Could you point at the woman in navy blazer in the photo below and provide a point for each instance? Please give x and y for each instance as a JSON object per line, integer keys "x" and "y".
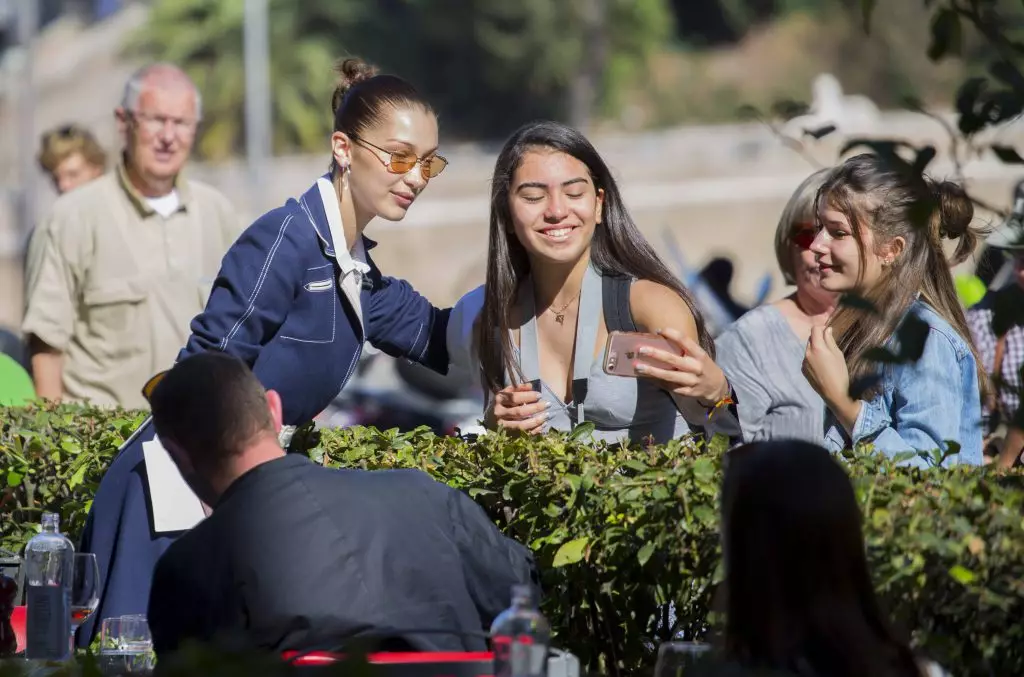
{"x": 296, "y": 297}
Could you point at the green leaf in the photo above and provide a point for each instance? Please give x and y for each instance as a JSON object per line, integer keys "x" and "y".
{"x": 645, "y": 553}
{"x": 585, "y": 429}
{"x": 947, "y": 35}
{"x": 962, "y": 575}
{"x": 821, "y": 132}
{"x": 882, "y": 356}
{"x": 967, "y": 99}
{"x": 14, "y": 478}
{"x": 703, "y": 469}
{"x": 788, "y": 109}
{"x": 574, "y": 481}
{"x": 78, "y": 476}
{"x": 718, "y": 444}
{"x": 570, "y": 552}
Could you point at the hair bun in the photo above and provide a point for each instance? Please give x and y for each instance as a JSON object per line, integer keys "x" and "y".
{"x": 351, "y": 72}
{"x": 956, "y": 211}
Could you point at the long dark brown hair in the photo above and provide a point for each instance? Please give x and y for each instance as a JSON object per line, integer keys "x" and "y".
{"x": 618, "y": 248}
{"x": 799, "y": 595}
{"x": 892, "y": 200}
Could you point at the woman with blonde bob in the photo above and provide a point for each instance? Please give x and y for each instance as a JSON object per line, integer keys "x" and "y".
{"x": 881, "y": 239}
{"x": 762, "y": 352}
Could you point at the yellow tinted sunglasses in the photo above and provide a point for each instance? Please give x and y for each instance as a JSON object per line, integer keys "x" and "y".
{"x": 151, "y": 384}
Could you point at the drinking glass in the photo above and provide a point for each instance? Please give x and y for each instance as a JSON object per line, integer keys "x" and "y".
{"x": 125, "y": 645}
{"x": 85, "y": 590}
{"x": 674, "y": 658}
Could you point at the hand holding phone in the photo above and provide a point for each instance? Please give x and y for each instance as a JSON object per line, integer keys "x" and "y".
{"x": 622, "y": 352}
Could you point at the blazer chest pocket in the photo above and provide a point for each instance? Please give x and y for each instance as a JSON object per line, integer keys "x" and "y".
{"x": 115, "y": 315}
{"x": 314, "y": 316}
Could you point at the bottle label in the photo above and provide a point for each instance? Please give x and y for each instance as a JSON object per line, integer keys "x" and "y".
{"x": 519, "y": 656}
{"x": 47, "y": 622}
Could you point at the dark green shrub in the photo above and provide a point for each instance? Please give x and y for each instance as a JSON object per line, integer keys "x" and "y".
{"x": 620, "y": 533}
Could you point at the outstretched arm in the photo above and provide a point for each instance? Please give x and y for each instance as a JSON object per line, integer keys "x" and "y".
{"x": 402, "y": 323}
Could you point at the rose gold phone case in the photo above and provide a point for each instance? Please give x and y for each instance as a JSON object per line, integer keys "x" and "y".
{"x": 622, "y": 351}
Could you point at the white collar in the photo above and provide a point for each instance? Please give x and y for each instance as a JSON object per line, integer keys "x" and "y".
{"x": 347, "y": 260}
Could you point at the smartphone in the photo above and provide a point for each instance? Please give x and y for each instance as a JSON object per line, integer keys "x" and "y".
{"x": 622, "y": 351}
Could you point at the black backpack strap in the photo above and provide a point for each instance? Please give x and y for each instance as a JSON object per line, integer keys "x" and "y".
{"x": 619, "y": 317}
{"x": 615, "y": 302}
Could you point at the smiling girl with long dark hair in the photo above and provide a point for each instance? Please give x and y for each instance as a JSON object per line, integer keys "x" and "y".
{"x": 566, "y": 265}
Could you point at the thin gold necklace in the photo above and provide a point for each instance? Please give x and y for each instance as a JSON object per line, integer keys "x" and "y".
{"x": 560, "y": 313}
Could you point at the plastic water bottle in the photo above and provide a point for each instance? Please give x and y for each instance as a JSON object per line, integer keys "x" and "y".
{"x": 49, "y": 567}
{"x": 520, "y": 637}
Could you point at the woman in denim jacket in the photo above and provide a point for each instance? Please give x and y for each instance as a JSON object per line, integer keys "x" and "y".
{"x": 881, "y": 232}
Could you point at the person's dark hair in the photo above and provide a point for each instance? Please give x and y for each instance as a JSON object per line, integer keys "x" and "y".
{"x": 799, "y": 595}
{"x": 893, "y": 200}
{"x": 618, "y": 247}
{"x": 57, "y": 145}
{"x": 362, "y": 95}
{"x": 212, "y": 406}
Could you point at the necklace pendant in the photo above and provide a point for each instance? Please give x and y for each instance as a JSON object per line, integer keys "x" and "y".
{"x": 560, "y": 318}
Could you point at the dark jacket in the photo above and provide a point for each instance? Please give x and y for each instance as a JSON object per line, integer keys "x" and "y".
{"x": 297, "y": 556}
{"x": 302, "y": 343}
{"x": 269, "y": 307}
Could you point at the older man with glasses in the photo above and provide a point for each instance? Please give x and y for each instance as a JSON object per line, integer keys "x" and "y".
{"x": 122, "y": 265}
{"x": 997, "y": 326}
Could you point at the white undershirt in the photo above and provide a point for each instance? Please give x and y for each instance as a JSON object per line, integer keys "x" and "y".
{"x": 165, "y": 205}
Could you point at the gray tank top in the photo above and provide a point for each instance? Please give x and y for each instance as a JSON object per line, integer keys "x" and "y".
{"x": 621, "y": 409}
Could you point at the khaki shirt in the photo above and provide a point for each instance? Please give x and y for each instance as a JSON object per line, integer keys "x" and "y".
{"x": 114, "y": 285}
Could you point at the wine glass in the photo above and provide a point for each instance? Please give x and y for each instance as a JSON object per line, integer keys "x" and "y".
{"x": 674, "y": 658}
{"x": 85, "y": 590}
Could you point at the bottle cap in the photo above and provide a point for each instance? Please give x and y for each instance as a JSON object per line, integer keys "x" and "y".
{"x": 51, "y": 520}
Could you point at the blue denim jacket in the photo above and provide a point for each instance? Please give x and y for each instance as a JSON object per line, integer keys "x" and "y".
{"x": 276, "y": 305}
{"x": 922, "y": 404}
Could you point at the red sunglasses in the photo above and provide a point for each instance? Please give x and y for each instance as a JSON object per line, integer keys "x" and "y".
{"x": 804, "y": 237}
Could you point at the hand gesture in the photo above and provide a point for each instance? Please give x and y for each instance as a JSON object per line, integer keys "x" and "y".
{"x": 518, "y": 408}
{"x": 691, "y": 372}
{"x": 825, "y": 367}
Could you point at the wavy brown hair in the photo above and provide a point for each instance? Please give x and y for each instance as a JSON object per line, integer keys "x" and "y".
{"x": 893, "y": 200}
{"x": 618, "y": 248}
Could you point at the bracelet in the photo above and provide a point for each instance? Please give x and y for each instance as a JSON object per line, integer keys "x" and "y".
{"x": 725, "y": 401}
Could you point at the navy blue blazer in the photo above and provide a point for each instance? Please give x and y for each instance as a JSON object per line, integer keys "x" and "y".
{"x": 302, "y": 343}
{"x": 269, "y": 307}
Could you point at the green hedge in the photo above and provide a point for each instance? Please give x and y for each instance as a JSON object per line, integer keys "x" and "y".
{"x": 619, "y": 533}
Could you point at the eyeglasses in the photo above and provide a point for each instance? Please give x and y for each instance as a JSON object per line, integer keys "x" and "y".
{"x": 402, "y": 161}
{"x": 151, "y": 384}
{"x": 155, "y": 124}
{"x": 804, "y": 237}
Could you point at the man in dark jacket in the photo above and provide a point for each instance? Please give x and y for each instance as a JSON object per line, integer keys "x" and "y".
{"x": 297, "y": 556}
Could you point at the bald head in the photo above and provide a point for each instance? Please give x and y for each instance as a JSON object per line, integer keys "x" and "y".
{"x": 163, "y": 76}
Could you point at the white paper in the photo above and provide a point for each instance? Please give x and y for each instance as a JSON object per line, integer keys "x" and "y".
{"x": 175, "y": 507}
